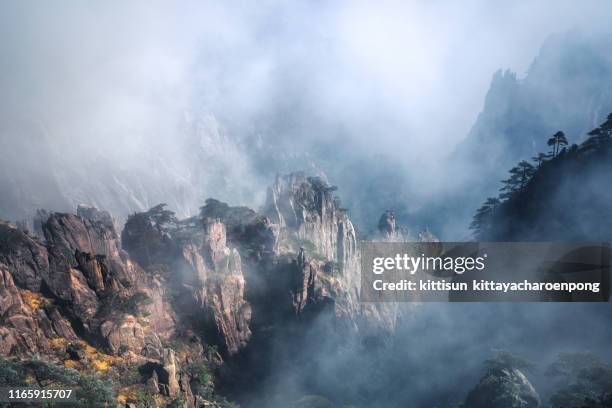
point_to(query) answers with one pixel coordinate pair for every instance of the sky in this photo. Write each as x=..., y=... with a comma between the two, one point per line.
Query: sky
x=404, y=80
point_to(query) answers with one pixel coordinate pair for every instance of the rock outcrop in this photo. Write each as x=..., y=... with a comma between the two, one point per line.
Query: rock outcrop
x=92, y=213
x=25, y=258
x=503, y=388
x=26, y=324
x=387, y=224
x=206, y=272
x=252, y=232
x=318, y=234
x=79, y=279
x=78, y=299
x=304, y=279
x=311, y=222
x=223, y=288
x=309, y=213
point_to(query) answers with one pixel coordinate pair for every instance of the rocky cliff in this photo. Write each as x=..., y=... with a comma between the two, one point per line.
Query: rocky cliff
x=168, y=304
x=79, y=301
x=307, y=211
x=313, y=224
x=205, y=273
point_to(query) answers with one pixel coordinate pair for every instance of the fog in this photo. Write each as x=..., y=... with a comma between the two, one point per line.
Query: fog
x=434, y=359
x=128, y=104
x=125, y=105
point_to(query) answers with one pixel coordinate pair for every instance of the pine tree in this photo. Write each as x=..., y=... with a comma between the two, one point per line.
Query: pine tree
x=482, y=221
x=556, y=141
x=519, y=177
x=601, y=134
x=540, y=159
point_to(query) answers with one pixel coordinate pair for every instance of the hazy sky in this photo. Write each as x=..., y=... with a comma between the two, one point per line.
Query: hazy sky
x=114, y=75
x=118, y=64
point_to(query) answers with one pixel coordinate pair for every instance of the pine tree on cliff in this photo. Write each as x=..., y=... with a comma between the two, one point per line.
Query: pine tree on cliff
x=601, y=134
x=556, y=141
x=540, y=158
x=519, y=177
x=481, y=222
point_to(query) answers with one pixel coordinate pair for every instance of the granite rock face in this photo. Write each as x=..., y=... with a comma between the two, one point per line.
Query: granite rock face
x=318, y=233
x=311, y=221
x=25, y=326
x=88, y=267
x=222, y=291
x=304, y=280
x=248, y=230
x=207, y=273
x=74, y=279
x=26, y=258
x=306, y=208
x=77, y=298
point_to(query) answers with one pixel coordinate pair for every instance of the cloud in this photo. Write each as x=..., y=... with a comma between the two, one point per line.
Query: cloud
x=317, y=84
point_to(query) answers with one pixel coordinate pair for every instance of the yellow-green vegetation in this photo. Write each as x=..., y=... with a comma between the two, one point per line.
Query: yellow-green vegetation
x=34, y=300
x=59, y=343
x=90, y=390
x=93, y=361
x=138, y=394
x=101, y=361
x=201, y=377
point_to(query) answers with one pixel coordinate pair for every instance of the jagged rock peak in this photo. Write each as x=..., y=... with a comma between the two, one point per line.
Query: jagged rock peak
x=206, y=270
x=245, y=227
x=303, y=193
x=307, y=210
x=427, y=236
x=389, y=230
x=387, y=224
x=92, y=213
x=77, y=298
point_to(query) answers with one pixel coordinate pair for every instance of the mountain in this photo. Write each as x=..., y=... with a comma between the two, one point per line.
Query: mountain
x=260, y=308
x=567, y=87
x=564, y=198
x=168, y=308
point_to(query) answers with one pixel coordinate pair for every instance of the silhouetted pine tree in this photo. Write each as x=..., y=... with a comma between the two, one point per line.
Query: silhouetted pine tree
x=556, y=141
x=519, y=177
x=488, y=215
x=481, y=223
x=540, y=158
x=599, y=135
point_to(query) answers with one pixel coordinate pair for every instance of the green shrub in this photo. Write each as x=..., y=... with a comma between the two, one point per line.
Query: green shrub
x=90, y=391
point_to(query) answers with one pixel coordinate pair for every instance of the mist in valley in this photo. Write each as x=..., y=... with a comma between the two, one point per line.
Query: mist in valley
x=160, y=103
